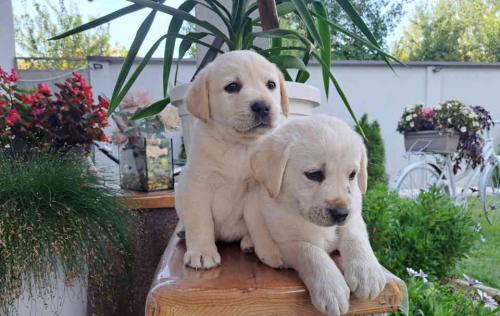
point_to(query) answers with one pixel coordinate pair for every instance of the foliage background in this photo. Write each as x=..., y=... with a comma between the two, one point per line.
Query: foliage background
x=34, y=30
x=453, y=30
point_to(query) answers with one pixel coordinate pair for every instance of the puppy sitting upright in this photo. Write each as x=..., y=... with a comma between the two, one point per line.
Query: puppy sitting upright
x=237, y=99
x=312, y=172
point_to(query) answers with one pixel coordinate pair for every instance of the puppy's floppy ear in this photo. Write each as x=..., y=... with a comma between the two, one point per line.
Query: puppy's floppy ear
x=268, y=164
x=197, y=97
x=363, y=171
x=284, y=94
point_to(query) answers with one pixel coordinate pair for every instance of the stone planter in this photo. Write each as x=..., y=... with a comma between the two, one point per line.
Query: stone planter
x=431, y=141
x=303, y=99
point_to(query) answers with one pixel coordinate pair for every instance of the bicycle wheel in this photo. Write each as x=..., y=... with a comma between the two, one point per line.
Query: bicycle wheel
x=490, y=193
x=417, y=178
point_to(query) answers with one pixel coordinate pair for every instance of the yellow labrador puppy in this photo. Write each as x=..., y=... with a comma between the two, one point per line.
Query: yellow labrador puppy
x=237, y=99
x=312, y=173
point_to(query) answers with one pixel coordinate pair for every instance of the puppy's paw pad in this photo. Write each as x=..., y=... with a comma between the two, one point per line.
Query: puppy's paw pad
x=202, y=259
x=246, y=244
x=365, y=279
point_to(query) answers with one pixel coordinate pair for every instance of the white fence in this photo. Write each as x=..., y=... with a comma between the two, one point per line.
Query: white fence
x=371, y=87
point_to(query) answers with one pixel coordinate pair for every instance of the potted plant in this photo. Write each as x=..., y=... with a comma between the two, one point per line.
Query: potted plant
x=239, y=33
x=144, y=150
x=450, y=127
x=56, y=216
x=56, y=222
x=67, y=120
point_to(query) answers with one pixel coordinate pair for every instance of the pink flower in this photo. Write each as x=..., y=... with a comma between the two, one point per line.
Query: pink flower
x=428, y=112
x=12, y=117
x=44, y=88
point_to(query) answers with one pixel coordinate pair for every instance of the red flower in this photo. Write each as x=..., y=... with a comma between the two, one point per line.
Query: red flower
x=28, y=99
x=13, y=76
x=12, y=117
x=103, y=103
x=44, y=89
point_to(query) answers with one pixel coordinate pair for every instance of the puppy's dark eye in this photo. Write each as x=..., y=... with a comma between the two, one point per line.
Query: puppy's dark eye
x=233, y=87
x=271, y=85
x=352, y=175
x=315, y=175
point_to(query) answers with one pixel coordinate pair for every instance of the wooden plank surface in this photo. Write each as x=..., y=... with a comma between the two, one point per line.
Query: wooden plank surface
x=240, y=286
x=150, y=200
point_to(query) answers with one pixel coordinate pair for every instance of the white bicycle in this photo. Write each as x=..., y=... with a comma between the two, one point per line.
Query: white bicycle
x=436, y=170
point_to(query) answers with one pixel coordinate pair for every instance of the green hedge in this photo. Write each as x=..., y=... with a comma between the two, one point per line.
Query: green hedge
x=376, y=151
x=429, y=233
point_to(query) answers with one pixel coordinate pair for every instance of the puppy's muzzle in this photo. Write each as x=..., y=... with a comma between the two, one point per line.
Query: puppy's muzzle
x=261, y=111
x=338, y=215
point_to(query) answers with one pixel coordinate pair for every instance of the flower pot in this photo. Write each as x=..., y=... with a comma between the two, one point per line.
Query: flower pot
x=431, y=141
x=66, y=296
x=303, y=99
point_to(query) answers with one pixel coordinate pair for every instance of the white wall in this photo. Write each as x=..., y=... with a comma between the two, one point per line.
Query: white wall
x=7, y=42
x=371, y=87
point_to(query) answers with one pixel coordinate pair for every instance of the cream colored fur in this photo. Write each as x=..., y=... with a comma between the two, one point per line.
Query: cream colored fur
x=214, y=183
x=286, y=212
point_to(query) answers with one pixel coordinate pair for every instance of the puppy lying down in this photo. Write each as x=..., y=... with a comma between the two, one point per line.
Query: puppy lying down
x=311, y=173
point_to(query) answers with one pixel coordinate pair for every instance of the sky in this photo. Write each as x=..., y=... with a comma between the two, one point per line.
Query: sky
x=123, y=29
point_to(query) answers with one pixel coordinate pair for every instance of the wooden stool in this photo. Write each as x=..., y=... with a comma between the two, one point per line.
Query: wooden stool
x=240, y=286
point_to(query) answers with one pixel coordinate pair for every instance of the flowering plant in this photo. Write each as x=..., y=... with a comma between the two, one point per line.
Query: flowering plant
x=455, y=117
x=52, y=120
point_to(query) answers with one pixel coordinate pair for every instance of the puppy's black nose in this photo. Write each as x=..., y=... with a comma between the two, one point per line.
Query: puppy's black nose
x=338, y=215
x=260, y=108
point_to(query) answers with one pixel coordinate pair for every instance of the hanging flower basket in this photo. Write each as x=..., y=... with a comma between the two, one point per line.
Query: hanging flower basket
x=449, y=127
x=431, y=141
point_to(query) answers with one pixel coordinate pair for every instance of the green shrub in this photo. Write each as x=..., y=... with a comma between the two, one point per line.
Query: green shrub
x=434, y=299
x=375, y=150
x=429, y=233
x=55, y=213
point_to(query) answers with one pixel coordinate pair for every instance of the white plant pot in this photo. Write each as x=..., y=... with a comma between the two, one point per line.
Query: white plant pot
x=66, y=297
x=303, y=99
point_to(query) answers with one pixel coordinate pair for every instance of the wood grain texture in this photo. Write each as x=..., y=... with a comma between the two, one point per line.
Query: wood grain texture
x=240, y=286
x=149, y=200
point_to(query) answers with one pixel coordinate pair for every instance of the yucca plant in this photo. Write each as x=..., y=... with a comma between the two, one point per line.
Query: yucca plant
x=239, y=22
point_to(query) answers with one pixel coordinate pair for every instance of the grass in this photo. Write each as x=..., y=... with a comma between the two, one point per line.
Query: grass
x=483, y=263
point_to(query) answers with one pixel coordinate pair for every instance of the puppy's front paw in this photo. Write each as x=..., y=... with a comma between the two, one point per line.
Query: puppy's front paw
x=365, y=278
x=270, y=255
x=330, y=294
x=202, y=259
x=246, y=244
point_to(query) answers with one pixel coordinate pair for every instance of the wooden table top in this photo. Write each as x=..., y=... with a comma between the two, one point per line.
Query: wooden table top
x=150, y=200
x=241, y=286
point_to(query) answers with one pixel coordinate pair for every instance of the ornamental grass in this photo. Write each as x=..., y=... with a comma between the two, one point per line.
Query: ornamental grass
x=56, y=217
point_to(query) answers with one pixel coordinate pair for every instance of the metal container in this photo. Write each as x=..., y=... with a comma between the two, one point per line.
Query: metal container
x=146, y=164
x=431, y=141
